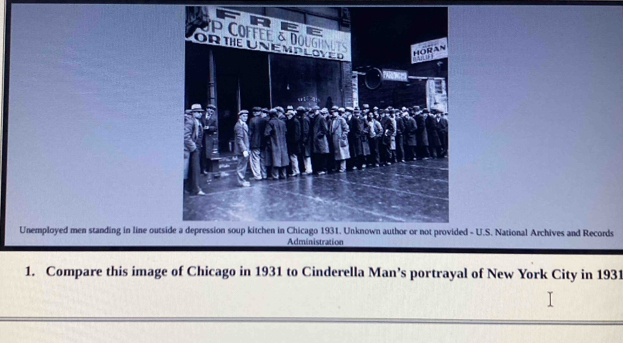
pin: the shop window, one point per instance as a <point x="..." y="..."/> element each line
<point x="304" y="81"/>
<point x="439" y="87"/>
<point x="322" y="22"/>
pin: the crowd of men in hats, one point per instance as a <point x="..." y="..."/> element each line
<point x="278" y="143"/>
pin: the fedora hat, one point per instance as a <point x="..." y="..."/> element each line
<point x="196" y="108"/>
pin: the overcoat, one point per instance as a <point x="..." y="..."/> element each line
<point x="305" y="135"/>
<point x="329" y="120"/>
<point x="275" y="133"/>
<point x="354" y="137"/>
<point x="189" y="134"/>
<point x="410" y="131"/>
<point x="189" y="143"/>
<point x="364" y="136"/>
<point x="320" y="144"/>
<point x="422" y="136"/>
<point x="293" y="136"/>
<point x="339" y="135"/>
<point x="210" y="128"/>
<point x="431" y="129"/>
<point x="193" y="132"/>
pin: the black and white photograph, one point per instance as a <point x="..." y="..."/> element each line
<point x="316" y="114"/>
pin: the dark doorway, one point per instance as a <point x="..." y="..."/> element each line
<point x="241" y="83"/>
<point x="197" y="74"/>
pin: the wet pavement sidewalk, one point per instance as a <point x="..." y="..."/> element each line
<point x="414" y="191"/>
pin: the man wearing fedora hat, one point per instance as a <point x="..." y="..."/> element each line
<point x="257" y="124"/>
<point x="410" y="135"/>
<point x="293" y="141"/>
<point x="339" y="136"/>
<point x="320" y="143"/>
<point x="275" y="134"/>
<point x="241" y="148"/>
<point x="421" y="135"/>
<point x="193" y="132"/>
<point x="305" y="153"/>
<point x="434" y="143"/>
<point x="210" y="129"/>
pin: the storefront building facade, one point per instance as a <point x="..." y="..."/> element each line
<point x="425" y="85"/>
<point x="242" y="57"/>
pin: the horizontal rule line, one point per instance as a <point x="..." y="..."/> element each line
<point x="314" y="320"/>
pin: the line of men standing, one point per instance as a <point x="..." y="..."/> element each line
<point x="322" y="140"/>
<point x="305" y="140"/>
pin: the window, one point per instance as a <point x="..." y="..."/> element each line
<point x="322" y="22"/>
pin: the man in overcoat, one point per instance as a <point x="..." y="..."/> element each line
<point x="293" y="139"/>
<point x="257" y="125"/>
<point x="422" y="135"/>
<point x="193" y="132"/>
<point x="266" y="158"/>
<point x="275" y="133"/>
<point x="305" y="155"/>
<point x="339" y="137"/>
<point x="410" y="135"/>
<point x="210" y="130"/>
<point x="241" y="147"/>
<point x="365" y="143"/>
<point x="354" y="141"/>
<point x="434" y="143"/>
<point x="320" y="144"/>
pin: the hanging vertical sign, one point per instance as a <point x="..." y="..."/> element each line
<point x="240" y="30"/>
<point x="436" y="95"/>
<point x="355" y="89"/>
